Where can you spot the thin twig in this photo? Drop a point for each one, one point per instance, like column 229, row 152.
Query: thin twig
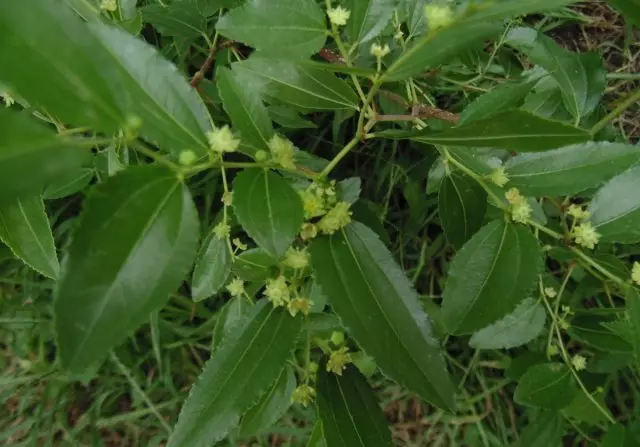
column 206, row 66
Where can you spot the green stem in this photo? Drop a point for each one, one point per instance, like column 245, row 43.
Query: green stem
column 619, row 110
column 343, row 153
column 622, row 283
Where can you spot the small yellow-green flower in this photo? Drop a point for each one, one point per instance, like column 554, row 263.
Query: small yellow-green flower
column 236, row 287
column 227, row 198
column 337, row 338
column 521, row 212
column 109, row 5
column 296, row 258
column 438, row 16
column 221, row 140
column 579, row 362
column 338, row 15
column 187, row 158
column 585, row 235
column 338, row 217
column 380, row 51
column 550, row 292
column 299, row 305
column 499, row 177
column 8, row 99
column 222, row 230
column 303, row 395
column 577, row 212
column 338, row 360
column 277, row 291
column 239, row 244
column 513, row 196
column 312, row 204
column 552, row 350
column 282, row 151
column 635, row 273
column 308, row 231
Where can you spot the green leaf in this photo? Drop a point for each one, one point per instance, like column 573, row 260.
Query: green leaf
column 514, row 8
column 514, row 131
column 633, row 313
column 212, row 269
column 545, row 430
column 254, row 264
column 591, row 330
column 291, row 83
column 350, row 414
column 489, row 276
column 31, row 156
column 180, row 19
column 378, row 305
column 630, row 10
column 282, row 27
column 239, row 372
column 367, row 20
column 136, row 242
column 271, row 406
column 503, row 97
column 548, row 104
column 519, row 327
column 462, row 204
column 268, row 208
column 317, row 437
column 89, row 74
column 289, row 118
column 615, row 208
column 248, row 114
column 581, row 76
column 24, row 228
column 548, row 385
column 69, row 183
column 571, row 169
column 583, row 409
column 229, row 316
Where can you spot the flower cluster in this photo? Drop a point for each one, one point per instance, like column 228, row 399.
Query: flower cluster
column 338, row 15
column 635, row 273
column 222, row 140
column 302, row 305
column 236, row 287
column 379, row 51
column 499, row 177
column 222, row 230
column 303, row 395
column 296, row 258
column 277, row 291
column 519, row 207
column 585, row 235
column 438, row 16
column 577, row 212
column 109, row 5
column 282, row 151
column 338, row 217
column 338, row 360
column 7, row 98
column 317, row 199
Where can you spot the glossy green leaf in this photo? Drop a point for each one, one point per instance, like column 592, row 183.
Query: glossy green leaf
column 249, row 359
column 349, row 189
column 519, row 327
column 489, row 276
column 514, row 8
column 503, row 97
column 212, row 269
column 378, row 305
column 90, row 74
column 548, row 104
column 31, row 156
column 69, row 183
column 633, row 313
column 291, row 83
column 350, row 413
column 271, row 406
column 254, row 264
column 571, row 169
column 615, row 208
column 545, row 430
column 548, row 385
column 230, row 315
column 367, row 20
column 581, row 76
column 462, row 204
column 179, row 19
column 583, row 409
column 289, row 118
column 592, row 331
column 24, row 228
column 630, row 10
column 268, row 208
column 282, row 27
column 248, row 113
column 135, row 244
column 317, row 437
column 514, row 131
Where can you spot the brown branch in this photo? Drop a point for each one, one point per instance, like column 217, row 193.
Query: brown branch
column 417, row 111
column 206, row 66
column 330, row 56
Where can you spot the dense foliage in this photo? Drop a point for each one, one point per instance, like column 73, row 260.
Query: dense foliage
column 307, row 204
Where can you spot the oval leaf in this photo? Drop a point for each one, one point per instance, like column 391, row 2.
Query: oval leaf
column 548, row 385
column 254, row 264
column 271, row 406
column 266, row 24
column 544, row 431
column 292, row 83
column 503, row 97
column 378, row 305
column 268, row 208
column 212, row 269
column 633, row 312
column 350, row 414
column 521, row 326
column 182, row 19
column 367, row 20
column 24, row 228
column 615, row 209
column 228, row 317
column 68, row 184
column 462, row 204
column 31, row 156
column 571, row 169
column 249, row 359
column 489, row 276
column 136, row 242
